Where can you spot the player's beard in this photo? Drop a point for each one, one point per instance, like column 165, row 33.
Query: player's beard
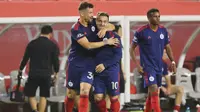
column 90, row 19
column 87, row 20
column 155, row 23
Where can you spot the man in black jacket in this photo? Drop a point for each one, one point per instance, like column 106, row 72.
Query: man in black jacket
column 43, row 55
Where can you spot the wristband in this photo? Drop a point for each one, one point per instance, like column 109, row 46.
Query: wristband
column 173, row 62
column 105, row 41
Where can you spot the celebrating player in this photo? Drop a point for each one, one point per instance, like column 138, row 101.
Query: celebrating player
column 81, row 58
column 152, row 40
column 107, row 69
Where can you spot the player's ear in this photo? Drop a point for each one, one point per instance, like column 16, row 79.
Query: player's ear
column 81, row 13
column 50, row 35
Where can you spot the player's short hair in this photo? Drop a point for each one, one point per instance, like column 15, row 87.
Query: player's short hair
column 46, row 29
column 102, row 14
column 149, row 13
column 85, row 5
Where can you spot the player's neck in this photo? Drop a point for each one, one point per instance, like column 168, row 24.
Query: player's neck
column 47, row 36
column 83, row 22
column 153, row 27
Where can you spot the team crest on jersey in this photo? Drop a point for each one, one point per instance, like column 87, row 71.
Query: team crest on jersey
column 93, row 28
column 161, row 36
column 151, row 78
column 70, row 84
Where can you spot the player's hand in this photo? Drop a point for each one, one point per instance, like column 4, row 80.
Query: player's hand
column 113, row 41
column 173, row 67
column 102, row 33
column 100, row 68
column 140, row 69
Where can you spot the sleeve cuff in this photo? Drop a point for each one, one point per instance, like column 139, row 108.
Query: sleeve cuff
column 105, row 65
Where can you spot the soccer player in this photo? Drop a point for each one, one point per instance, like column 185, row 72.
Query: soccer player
column 152, row 39
column 170, row 89
column 43, row 55
column 118, row 30
column 81, row 58
column 107, row 69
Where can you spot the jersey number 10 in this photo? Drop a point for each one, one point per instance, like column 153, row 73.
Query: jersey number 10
column 114, row 85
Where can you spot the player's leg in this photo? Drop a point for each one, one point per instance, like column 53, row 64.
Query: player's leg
column 76, row 101
column 85, row 86
column 30, row 90
column 147, row 107
column 70, row 100
column 122, row 88
column 152, row 80
column 99, row 91
column 114, row 90
column 45, row 84
column 178, row 90
column 72, row 83
column 108, row 103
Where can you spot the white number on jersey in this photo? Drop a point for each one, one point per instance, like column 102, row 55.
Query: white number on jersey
column 114, row 85
column 90, row 75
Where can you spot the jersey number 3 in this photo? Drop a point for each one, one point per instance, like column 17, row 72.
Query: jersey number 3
column 90, row 75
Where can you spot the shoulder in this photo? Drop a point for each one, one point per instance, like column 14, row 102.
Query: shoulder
column 33, row 41
column 142, row 28
column 75, row 26
column 53, row 41
column 163, row 28
column 112, row 34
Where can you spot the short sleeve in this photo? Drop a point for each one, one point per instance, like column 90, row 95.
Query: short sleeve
column 135, row 38
column 167, row 38
column 77, row 34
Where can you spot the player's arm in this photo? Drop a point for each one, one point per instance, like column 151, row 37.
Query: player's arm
column 115, row 59
column 110, row 27
column 102, row 32
column 68, row 50
column 169, row 52
column 134, row 44
column 132, row 53
column 25, row 58
column 168, row 47
column 83, row 41
column 171, row 57
column 117, row 54
column 55, row 59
